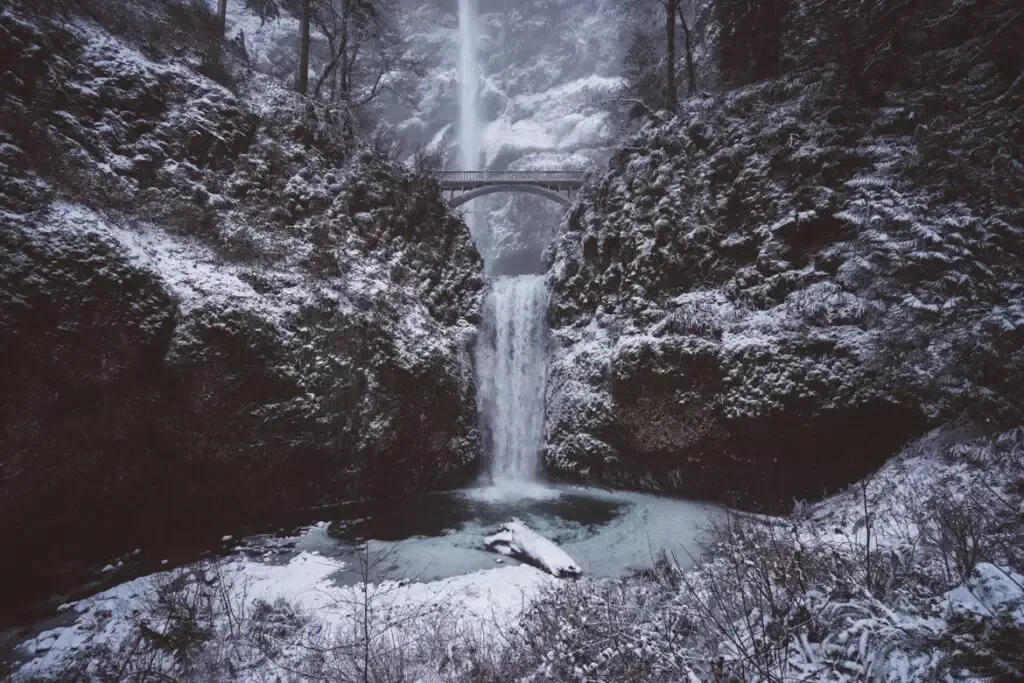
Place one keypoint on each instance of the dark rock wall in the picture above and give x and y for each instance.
(214, 303)
(765, 296)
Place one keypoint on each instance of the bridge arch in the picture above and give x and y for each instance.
(465, 186)
(518, 187)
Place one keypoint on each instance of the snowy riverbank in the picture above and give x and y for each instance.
(257, 621)
(423, 585)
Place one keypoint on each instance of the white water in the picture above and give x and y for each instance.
(511, 367)
(470, 133)
(511, 353)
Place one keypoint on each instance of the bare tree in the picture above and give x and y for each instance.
(368, 52)
(339, 20)
(691, 71)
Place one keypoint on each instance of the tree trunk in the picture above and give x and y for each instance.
(328, 71)
(671, 97)
(302, 78)
(345, 66)
(222, 17)
(336, 86)
(691, 71)
(767, 51)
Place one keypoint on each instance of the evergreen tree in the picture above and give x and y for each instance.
(751, 38)
(652, 60)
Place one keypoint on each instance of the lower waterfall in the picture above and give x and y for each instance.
(511, 362)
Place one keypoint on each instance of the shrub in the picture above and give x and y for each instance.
(808, 598)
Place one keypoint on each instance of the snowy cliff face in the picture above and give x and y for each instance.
(547, 66)
(770, 293)
(211, 306)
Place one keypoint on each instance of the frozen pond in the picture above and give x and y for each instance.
(436, 536)
(427, 537)
(417, 555)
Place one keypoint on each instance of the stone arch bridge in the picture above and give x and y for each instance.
(463, 186)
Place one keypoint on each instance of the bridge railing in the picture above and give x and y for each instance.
(510, 176)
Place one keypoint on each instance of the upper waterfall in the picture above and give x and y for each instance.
(470, 133)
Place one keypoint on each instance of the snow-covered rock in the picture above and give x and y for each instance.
(767, 295)
(517, 540)
(213, 304)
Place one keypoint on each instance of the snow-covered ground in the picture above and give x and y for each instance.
(481, 603)
(442, 580)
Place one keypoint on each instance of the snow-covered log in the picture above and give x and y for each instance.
(517, 540)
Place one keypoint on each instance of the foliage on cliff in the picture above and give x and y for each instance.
(215, 303)
(796, 275)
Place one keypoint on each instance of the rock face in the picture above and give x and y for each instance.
(213, 305)
(767, 295)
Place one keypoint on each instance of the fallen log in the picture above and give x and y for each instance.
(517, 540)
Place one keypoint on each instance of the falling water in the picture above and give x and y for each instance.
(511, 353)
(511, 361)
(469, 88)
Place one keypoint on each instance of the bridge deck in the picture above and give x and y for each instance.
(453, 180)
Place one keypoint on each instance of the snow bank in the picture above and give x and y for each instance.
(484, 603)
(990, 591)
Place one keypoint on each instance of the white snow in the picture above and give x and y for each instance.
(990, 591)
(193, 273)
(518, 540)
(484, 603)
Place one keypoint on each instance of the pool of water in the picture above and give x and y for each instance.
(435, 536)
(430, 536)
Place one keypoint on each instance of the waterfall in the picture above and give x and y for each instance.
(511, 361)
(511, 352)
(469, 88)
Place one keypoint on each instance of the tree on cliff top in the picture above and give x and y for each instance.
(652, 58)
(367, 52)
(751, 44)
(222, 16)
